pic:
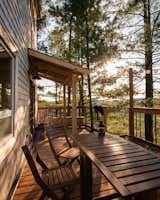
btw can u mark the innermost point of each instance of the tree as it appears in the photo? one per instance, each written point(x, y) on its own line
point(145, 29)
point(94, 41)
point(87, 33)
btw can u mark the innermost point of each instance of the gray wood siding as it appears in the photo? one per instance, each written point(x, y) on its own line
point(16, 20)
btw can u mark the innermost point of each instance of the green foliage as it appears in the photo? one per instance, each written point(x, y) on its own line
point(57, 44)
point(43, 103)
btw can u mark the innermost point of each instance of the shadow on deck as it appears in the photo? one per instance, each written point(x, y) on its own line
point(29, 190)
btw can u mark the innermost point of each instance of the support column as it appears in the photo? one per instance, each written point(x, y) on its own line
point(74, 107)
point(64, 106)
point(64, 101)
point(131, 113)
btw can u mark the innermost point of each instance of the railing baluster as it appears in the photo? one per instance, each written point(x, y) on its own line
point(155, 127)
point(140, 125)
point(136, 124)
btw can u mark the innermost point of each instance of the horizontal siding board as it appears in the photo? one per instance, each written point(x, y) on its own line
point(17, 28)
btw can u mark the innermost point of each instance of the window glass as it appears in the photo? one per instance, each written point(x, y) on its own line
point(5, 92)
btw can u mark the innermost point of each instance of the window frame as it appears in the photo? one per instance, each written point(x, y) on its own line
point(9, 112)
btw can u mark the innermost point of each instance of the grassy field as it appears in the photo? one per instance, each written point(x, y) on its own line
point(117, 122)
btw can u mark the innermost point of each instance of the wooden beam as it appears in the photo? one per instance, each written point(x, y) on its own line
point(56, 61)
point(146, 110)
point(42, 65)
point(52, 78)
point(74, 107)
point(54, 74)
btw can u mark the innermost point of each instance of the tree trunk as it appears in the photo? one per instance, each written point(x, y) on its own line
point(69, 101)
point(69, 59)
point(148, 68)
point(81, 99)
point(81, 84)
point(89, 81)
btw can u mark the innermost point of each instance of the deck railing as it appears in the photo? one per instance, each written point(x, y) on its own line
point(45, 114)
point(113, 119)
point(116, 121)
point(138, 123)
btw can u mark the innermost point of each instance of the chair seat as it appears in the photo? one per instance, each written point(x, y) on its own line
point(73, 152)
point(60, 177)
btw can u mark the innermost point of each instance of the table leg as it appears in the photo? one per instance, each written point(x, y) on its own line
point(85, 178)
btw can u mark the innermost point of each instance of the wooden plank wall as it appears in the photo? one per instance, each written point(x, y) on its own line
point(16, 24)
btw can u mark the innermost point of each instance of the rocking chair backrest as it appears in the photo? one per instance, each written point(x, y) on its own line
point(46, 190)
point(54, 131)
point(49, 133)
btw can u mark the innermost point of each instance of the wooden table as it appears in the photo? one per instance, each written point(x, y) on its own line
point(130, 168)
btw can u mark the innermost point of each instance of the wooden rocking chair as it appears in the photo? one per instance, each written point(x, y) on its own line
point(55, 183)
point(69, 153)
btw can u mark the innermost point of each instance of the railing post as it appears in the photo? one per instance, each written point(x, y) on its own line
point(131, 103)
point(85, 177)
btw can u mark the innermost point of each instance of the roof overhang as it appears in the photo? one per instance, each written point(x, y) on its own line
point(54, 68)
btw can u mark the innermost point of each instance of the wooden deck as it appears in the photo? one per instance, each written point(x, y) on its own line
point(28, 189)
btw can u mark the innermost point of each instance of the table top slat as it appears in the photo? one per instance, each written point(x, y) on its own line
point(144, 186)
point(116, 149)
point(98, 146)
point(140, 177)
point(120, 152)
point(110, 157)
point(137, 170)
point(134, 165)
point(127, 160)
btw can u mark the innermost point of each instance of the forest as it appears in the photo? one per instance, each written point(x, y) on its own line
point(109, 38)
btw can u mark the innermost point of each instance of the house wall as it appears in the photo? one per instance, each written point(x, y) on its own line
point(17, 29)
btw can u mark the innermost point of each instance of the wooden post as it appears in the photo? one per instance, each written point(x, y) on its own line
point(74, 107)
point(105, 117)
point(131, 103)
point(64, 101)
point(85, 178)
point(64, 105)
point(85, 115)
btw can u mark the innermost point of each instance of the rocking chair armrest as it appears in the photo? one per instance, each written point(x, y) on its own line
point(64, 150)
point(70, 161)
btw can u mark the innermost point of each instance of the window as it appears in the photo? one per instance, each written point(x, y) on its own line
point(6, 91)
